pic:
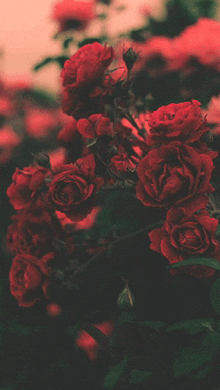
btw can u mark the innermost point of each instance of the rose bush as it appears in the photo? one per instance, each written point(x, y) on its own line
point(174, 174)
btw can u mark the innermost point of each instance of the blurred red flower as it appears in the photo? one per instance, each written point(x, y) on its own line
point(73, 14)
point(88, 344)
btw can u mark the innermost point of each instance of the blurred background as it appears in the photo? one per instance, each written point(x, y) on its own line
point(27, 30)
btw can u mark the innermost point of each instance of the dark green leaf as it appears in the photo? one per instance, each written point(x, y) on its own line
point(67, 42)
point(201, 355)
point(137, 376)
point(193, 326)
point(202, 373)
point(157, 325)
point(41, 64)
point(207, 261)
point(115, 373)
point(102, 16)
point(120, 8)
point(126, 316)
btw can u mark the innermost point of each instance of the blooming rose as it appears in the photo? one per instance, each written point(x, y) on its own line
point(28, 278)
point(73, 188)
point(84, 80)
point(187, 235)
point(25, 184)
point(174, 174)
point(176, 122)
point(33, 231)
point(73, 14)
point(94, 126)
point(86, 67)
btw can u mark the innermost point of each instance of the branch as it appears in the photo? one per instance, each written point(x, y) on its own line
point(104, 258)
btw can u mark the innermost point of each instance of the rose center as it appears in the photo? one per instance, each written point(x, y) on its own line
point(70, 192)
point(189, 238)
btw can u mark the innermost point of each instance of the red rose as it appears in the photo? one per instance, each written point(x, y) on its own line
point(28, 278)
point(84, 80)
point(73, 14)
point(174, 174)
point(25, 184)
point(94, 126)
point(183, 236)
point(33, 231)
point(86, 67)
point(74, 187)
point(176, 122)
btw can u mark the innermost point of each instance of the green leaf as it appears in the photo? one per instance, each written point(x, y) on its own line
point(59, 59)
point(73, 330)
point(67, 42)
point(201, 374)
point(41, 64)
point(193, 326)
point(115, 373)
point(207, 261)
point(102, 16)
point(120, 8)
point(157, 325)
point(215, 296)
point(217, 233)
point(201, 355)
point(125, 317)
point(137, 376)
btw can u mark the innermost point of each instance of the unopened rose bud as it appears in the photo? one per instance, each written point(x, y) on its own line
point(129, 58)
point(41, 159)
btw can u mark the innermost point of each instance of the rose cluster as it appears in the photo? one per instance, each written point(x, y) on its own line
point(38, 193)
point(175, 176)
point(160, 157)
